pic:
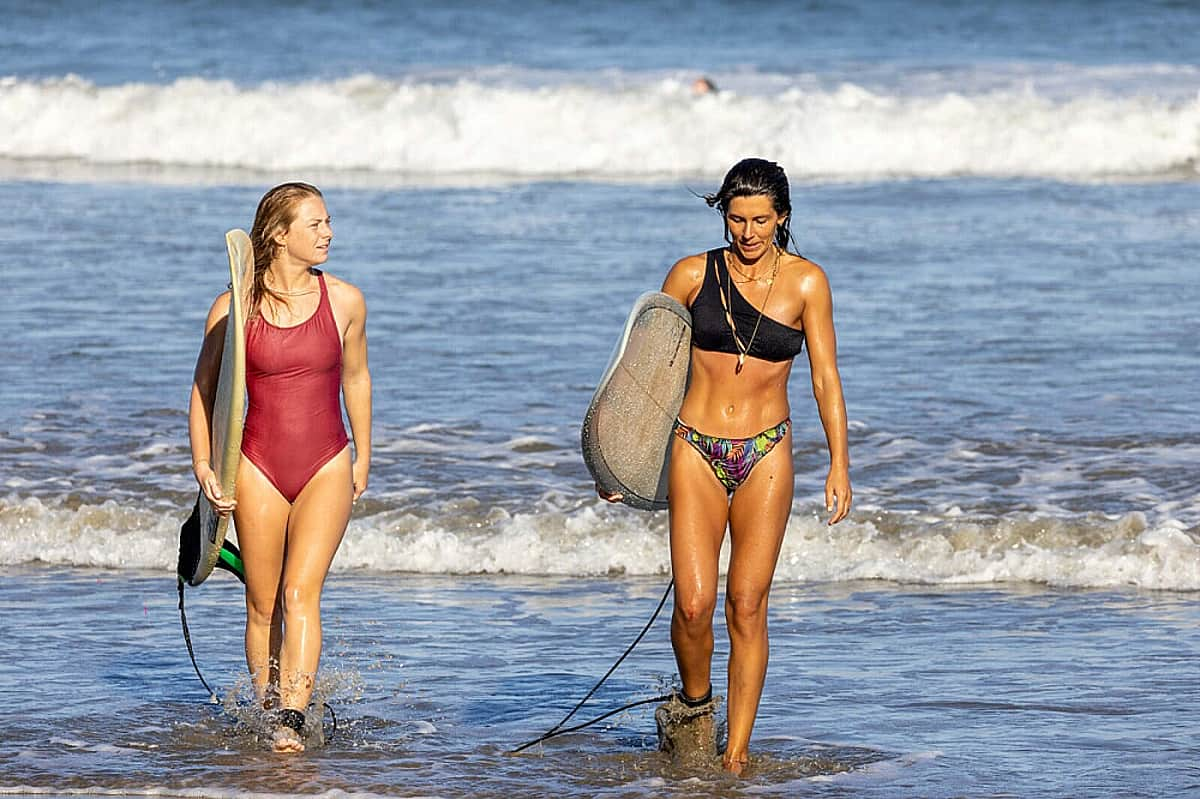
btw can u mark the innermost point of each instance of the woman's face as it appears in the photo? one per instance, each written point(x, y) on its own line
point(751, 222)
point(307, 239)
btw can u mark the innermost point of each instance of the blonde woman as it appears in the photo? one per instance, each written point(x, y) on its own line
point(306, 350)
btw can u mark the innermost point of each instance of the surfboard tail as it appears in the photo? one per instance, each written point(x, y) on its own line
point(188, 568)
point(189, 546)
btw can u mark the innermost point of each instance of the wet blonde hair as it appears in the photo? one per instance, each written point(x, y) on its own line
point(276, 211)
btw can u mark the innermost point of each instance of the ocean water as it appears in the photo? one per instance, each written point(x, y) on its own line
point(1007, 202)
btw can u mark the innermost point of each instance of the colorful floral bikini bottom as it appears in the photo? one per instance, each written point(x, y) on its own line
point(731, 459)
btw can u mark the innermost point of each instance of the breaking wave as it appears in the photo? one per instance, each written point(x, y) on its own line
point(1089, 551)
point(628, 128)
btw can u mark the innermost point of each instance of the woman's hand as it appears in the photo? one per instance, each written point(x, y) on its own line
point(359, 475)
point(616, 496)
point(838, 495)
point(211, 487)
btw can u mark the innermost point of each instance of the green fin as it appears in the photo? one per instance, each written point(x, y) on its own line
point(230, 559)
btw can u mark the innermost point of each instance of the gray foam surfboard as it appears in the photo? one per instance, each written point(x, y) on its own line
point(626, 435)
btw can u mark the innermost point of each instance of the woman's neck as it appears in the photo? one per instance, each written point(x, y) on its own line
point(287, 275)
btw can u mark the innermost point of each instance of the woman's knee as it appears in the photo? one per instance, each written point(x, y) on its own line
point(695, 611)
point(260, 610)
point(299, 599)
point(746, 609)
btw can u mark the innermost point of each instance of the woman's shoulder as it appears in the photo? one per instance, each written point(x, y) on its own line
point(344, 294)
point(685, 276)
point(220, 304)
point(690, 265)
point(337, 285)
point(802, 274)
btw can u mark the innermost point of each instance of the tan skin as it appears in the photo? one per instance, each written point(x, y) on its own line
point(721, 402)
point(289, 547)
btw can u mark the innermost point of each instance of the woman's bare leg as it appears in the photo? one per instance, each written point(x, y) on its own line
point(757, 521)
point(699, 514)
point(261, 520)
point(318, 522)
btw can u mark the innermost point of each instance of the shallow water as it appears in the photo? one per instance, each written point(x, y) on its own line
point(1020, 395)
point(875, 690)
point(1008, 216)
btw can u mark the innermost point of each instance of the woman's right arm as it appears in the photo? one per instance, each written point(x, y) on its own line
point(204, 392)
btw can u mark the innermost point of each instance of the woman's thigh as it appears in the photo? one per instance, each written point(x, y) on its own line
point(699, 514)
point(318, 522)
point(758, 517)
point(261, 522)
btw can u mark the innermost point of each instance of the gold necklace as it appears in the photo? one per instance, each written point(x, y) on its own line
point(727, 302)
point(750, 278)
point(291, 292)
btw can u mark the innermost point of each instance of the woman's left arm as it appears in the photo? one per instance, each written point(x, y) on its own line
point(827, 389)
point(356, 384)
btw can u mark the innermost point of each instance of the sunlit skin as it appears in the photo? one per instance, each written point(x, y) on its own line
point(288, 548)
point(722, 402)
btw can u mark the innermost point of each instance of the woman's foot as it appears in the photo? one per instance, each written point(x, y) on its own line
point(286, 741)
point(686, 729)
point(287, 735)
point(735, 762)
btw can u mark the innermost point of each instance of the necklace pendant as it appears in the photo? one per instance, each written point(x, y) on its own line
point(737, 370)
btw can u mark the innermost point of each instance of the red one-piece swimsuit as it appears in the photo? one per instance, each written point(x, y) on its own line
point(293, 379)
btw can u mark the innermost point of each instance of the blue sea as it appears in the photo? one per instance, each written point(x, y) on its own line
point(1006, 199)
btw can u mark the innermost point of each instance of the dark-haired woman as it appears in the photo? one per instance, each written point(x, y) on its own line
point(306, 349)
point(754, 306)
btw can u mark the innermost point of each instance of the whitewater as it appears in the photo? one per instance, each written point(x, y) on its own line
point(1139, 122)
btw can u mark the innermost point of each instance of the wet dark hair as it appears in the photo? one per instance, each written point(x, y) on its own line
point(753, 177)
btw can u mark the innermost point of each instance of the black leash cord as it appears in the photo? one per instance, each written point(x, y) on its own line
point(555, 730)
point(333, 718)
point(187, 639)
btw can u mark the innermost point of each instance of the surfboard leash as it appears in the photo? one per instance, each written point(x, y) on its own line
point(557, 732)
point(187, 639)
point(229, 559)
point(558, 729)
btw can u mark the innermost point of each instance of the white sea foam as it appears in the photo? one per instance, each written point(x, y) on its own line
point(471, 129)
point(1084, 551)
point(102, 748)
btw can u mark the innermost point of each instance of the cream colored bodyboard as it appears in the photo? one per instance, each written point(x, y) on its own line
point(229, 407)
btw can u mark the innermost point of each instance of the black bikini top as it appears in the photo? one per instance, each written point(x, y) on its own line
point(775, 341)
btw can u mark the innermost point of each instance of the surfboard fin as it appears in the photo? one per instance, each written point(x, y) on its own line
point(230, 559)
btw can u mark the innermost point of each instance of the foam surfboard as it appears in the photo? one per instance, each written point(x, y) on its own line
point(626, 436)
point(202, 543)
